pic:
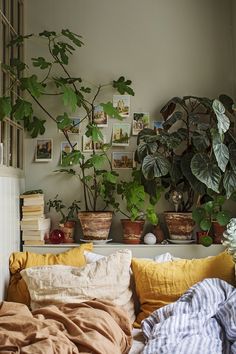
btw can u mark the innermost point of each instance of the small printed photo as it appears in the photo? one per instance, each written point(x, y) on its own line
point(140, 121)
point(158, 125)
point(121, 134)
point(123, 160)
point(100, 117)
point(66, 149)
point(75, 123)
point(122, 104)
point(43, 150)
point(88, 144)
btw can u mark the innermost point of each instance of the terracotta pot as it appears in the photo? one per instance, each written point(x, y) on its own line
point(217, 232)
point(180, 225)
point(95, 225)
point(132, 230)
point(69, 229)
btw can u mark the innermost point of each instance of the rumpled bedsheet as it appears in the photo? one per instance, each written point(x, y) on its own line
point(96, 327)
point(202, 321)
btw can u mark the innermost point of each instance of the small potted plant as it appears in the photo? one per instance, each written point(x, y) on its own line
point(68, 216)
point(212, 217)
point(138, 209)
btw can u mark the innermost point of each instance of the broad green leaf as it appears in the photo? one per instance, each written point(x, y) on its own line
point(200, 141)
point(47, 34)
point(223, 217)
point(152, 215)
point(110, 177)
point(75, 38)
point(206, 171)
point(220, 150)
point(227, 102)
point(123, 86)
point(18, 64)
point(22, 109)
point(41, 63)
point(97, 161)
point(223, 121)
point(71, 158)
point(69, 97)
point(18, 40)
point(198, 215)
point(220, 200)
point(209, 206)
point(205, 224)
point(229, 182)
point(5, 107)
point(94, 132)
point(36, 127)
point(155, 166)
point(172, 119)
point(64, 121)
point(69, 171)
point(145, 148)
point(110, 110)
point(32, 85)
point(197, 185)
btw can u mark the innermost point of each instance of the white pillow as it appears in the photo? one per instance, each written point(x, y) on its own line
point(106, 279)
point(165, 257)
point(91, 257)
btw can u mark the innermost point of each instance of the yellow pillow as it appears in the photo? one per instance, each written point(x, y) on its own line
point(159, 284)
point(17, 289)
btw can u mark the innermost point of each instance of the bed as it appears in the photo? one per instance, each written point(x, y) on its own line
point(97, 304)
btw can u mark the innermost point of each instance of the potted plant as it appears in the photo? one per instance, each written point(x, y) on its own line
point(138, 209)
point(211, 216)
point(191, 156)
point(68, 216)
point(95, 173)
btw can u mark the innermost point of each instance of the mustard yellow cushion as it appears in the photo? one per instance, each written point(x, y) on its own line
point(159, 284)
point(17, 289)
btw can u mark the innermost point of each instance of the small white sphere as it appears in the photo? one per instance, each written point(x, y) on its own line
point(150, 239)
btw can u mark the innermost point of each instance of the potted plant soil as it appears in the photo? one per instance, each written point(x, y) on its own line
point(138, 209)
point(190, 157)
point(68, 217)
point(71, 92)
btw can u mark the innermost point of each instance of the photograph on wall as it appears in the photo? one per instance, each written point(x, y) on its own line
point(43, 150)
point(140, 121)
point(158, 125)
point(100, 117)
point(122, 160)
point(121, 134)
point(75, 124)
point(122, 104)
point(66, 149)
point(88, 144)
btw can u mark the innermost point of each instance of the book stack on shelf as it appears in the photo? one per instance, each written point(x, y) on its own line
point(35, 226)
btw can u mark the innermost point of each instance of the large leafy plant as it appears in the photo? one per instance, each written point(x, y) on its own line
point(194, 153)
point(95, 173)
point(66, 213)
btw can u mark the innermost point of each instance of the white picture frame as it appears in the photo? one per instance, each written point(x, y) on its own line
point(44, 150)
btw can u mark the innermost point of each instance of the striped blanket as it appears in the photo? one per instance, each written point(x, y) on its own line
point(202, 321)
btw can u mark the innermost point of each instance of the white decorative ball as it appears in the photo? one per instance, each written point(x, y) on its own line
point(150, 239)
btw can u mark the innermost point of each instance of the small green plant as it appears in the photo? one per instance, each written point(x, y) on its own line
point(72, 210)
point(137, 205)
point(209, 212)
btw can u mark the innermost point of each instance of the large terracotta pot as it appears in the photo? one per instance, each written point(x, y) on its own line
point(217, 232)
point(132, 230)
point(69, 229)
point(180, 225)
point(95, 225)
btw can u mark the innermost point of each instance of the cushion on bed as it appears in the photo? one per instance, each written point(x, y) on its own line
point(17, 289)
point(160, 284)
point(106, 279)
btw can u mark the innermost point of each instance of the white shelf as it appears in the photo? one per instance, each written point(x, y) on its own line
point(141, 251)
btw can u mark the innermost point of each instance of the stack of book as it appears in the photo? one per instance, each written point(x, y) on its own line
point(35, 226)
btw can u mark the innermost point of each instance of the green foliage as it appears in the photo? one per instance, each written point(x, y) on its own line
point(211, 211)
point(195, 151)
point(66, 213)
point(94, 172)
point(135, 197)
